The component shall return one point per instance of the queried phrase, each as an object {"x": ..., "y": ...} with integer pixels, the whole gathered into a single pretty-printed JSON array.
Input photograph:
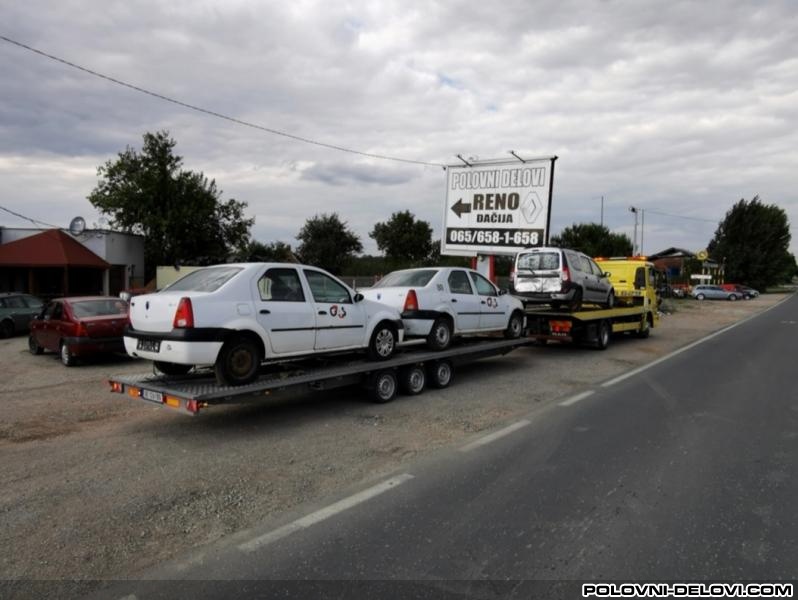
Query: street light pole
[
  {"x": 642, "y": 229},
  {"x": 634, "y": 242},
  {"x": 602, "y": 211}
]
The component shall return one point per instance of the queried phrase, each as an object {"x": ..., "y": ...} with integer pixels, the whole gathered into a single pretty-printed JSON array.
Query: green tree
[
  {"x": 752, "y": 244},
  {"x": 403, "y": 237},
  {"x": 179, "y": 212},
  {"x": 594, "y": 240},
  {"x": 255, "y": 251},
  {"x": 328, "y": 243}
]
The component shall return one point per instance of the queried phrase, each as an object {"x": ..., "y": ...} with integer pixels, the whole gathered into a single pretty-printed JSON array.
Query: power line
[
  {"x": 664, "y": 214},
  {"x": 217, "y": 114},
  {"x": 34, "y": 221}
]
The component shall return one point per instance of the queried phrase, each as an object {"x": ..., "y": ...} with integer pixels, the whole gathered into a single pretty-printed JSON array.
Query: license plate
[
  {"x": 149, "y": 345},
  {"x": 152, "y": 396}
]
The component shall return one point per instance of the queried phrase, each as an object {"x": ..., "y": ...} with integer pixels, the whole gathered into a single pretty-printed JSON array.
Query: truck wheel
[
  {"x": 238, "y": 362},
  {"x": 440, "y": 374},
  {"x": 412, "y": 380},
  {"x": 33, "y": 346},
  {"x": 383, "y": 342},
  {"x": 67, "y": 358},
  {"x": 515, "y": 327},
  {"x": 440, "y": 336},
  {"x": 645, "y": 328},
  {"x": 172, "y": 368},
  {"x": 383, "y": 386},
  {"x": 604, "y": 335}
]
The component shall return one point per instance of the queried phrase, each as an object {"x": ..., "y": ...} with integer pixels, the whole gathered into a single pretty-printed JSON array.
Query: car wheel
[
  {"x": 604, "y": 335},
  {"x": 412, "y": 380},
  {"x": 576, "y": 303},
  {"x": 611, "y": 299},
  {"x": 515, "y": 326},
  {"x": 383, "y": 342},
  {"x": 732, "y": 297},
  {"x": 172, "y": 368},
  {"x": 238, "y": 362},
  {"x": 6, "y": 329},
  {"x": 700, "y": 296},
  {"x": 383, "y": 386},
  {"x": 33, "y": 346},
  {"x": 67, "y": 358},
  {"x": 440, "y": 374},
  {"x": 440, "y": 336}
]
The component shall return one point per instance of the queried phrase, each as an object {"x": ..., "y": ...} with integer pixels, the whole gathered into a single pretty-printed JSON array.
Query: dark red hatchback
[{"x": 78, "y": 327}]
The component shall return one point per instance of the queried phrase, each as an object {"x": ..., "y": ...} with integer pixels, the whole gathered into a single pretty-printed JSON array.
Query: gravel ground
[{"x": 98, "y": 486}]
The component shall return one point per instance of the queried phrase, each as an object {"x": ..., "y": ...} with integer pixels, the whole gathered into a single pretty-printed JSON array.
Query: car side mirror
[
  {"x": 502, "y": 291},
  {"x": 359, "y": 297},
  {"x": 606, "y": 274}
]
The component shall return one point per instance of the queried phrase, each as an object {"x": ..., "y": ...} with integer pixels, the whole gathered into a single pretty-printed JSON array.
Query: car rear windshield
[
  {"x": 407, "y": 278},
  {"x": 539, "y": 261},
  {"x": 208, "y": 279},
  {"x": 98, "y": 308}
]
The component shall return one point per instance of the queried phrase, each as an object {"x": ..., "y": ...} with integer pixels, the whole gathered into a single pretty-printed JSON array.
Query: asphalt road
[{"x": 685, "y": 470}]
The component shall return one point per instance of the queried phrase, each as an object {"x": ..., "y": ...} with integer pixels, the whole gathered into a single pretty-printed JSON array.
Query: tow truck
[
  {"x": 411, "y": 370},
  {"x": 636, "y": 311}
]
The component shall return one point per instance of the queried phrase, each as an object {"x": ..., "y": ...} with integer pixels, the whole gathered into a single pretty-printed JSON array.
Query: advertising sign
[{"x": 497, "y": 207}]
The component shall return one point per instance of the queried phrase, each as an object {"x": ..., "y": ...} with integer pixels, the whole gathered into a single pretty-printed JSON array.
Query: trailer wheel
[
  {"x": 383, "y": 386},
  {"x": 412, "y": 380},
  {"x": 172, "y": 368},
  {"x": 603, "y": 335},
  {"x": 441, "y": 373}
]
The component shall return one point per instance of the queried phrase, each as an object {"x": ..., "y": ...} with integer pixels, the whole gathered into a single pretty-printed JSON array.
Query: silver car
[
  {"x": 714, "y": 292},
  {"x": 560, "y": 276}
]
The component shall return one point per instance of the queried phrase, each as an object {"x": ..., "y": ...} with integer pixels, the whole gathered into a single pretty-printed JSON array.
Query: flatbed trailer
[{"x": 411, "y": 371}]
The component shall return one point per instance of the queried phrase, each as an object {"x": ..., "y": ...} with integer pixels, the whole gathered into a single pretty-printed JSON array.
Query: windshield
[
  {"x": 415, "y": 278},
  {"x": 209, "y": 279},
  {"x": 99, "y": 308},
  {"x": 539, "y": 261}
]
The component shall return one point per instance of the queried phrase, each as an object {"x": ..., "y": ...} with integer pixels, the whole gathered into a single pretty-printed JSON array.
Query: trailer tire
[
  {"x": 383, "y": 341},
  {"x": 238, "y": 362},
  {"x": 603, "y": 335},
  {"x": 440, "y": 374},
  {"x": 515, "y": 326},
  {"x": 172, "y": 368},
  {"x": 412, "y": 379},
  {"x": 440, "y": 336},
  {"x": 383, "y": 386}
]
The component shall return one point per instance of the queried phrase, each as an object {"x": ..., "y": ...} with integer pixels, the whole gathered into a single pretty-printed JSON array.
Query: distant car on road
[
  {"x": 80, "y": 326},
  {"x": 439, "y": 303},
  {"x": 16, "y": 312},
  {"x": 713, "y": 292}
]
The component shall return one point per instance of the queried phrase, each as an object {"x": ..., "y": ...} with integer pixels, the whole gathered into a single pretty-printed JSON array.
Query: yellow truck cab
[{"x": 633, "y": 279}]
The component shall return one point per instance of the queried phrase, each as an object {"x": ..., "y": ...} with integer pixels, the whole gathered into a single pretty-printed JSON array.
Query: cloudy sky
[{"x": 675, "y": 107}]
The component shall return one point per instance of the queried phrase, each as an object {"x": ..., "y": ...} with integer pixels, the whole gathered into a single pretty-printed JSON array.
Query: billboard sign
[{"x": 496, "y": 207}]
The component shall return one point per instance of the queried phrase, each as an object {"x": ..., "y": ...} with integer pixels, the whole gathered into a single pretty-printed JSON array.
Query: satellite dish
[
  {"x": 702, "y": 255},
  {"x": 77, "y": 225}
]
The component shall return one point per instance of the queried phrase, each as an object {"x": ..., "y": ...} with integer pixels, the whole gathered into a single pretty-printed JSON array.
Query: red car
[{"x": 78, "y": 327}]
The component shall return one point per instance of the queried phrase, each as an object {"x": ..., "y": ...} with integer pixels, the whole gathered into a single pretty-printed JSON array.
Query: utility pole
[
  {"x": 602, "y": 211},
  {"x": 634, "y": 241},
  {"x": 642, "y": 229}
]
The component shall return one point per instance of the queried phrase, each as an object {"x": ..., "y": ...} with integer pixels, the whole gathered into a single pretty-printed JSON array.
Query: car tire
[
  {"x": 603, "y": 335},
  {"x": 33, "y": 347},
  {"x": 732, "y": 297},
  {"x": 238, "y": 362},
  {"x": 383, "y": 341},
  {"x": 412, "y": 380},
  {"x": 172, "y": 368},
  {"x": 67, "y": 358},
  {"x": 383, "y": 386},
  {"x": 700, "y": 296},
  {"x": 440, "y": 336},
  {"x": 440, "y": 374},
  {"x": 576, "y": 302},
  {"x": 6, "y": 329},
  {"x": 515, "y": 326},
  {"x": 610, "y": 299}
]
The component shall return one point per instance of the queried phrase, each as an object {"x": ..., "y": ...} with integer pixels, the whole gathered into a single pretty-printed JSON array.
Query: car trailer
[
  {"x": 411, "y": 371},
  {"x": 593, "y": 326}
]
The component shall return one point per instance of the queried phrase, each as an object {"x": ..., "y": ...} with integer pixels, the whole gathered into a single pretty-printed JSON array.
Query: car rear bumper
[
  {"x": 544, "y": 297},
  {"x": 83, "y": 346},
  {"x": 173, "y": 351}
]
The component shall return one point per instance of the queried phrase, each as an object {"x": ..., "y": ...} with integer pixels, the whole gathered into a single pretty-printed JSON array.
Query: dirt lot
[{"x": 98, "y": 486}]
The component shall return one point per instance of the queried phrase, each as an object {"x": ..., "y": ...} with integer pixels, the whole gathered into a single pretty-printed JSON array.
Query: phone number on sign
[{"x": 495, "y": 237}]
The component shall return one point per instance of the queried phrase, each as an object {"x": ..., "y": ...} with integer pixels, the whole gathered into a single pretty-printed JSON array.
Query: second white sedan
[{"x": 439, "y": 303}]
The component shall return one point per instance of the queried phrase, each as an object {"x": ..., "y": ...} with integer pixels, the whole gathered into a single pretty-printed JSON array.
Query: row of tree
[{"x": 185, "y": 220}]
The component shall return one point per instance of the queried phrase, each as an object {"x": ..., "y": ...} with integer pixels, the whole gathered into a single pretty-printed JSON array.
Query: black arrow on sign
[{"x": 460, "y": 207}]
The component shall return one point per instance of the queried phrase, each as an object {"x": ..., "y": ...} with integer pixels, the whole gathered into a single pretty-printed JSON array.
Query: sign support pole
[{"x": 551, "y": 191}]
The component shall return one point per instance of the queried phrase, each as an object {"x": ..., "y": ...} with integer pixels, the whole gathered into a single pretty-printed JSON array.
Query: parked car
[
  {"x": 713, "y": 292},
  {"x": 16, "y": 312},
  {"x": 236, "y": 316},
  {"x": 439, "y": 303},
  {"x": 79, "y": 327},
  {"x": 560, "y": 276},
  {"x": 744, "y": 291}
]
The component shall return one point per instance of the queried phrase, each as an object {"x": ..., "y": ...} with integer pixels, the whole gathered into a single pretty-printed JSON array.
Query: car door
[
  {"x": 284, "y": 312},
  {"x": 50, "y": 335},
  {"x": 340, "y": 323},
  {"x": 602, "y": 284},
  {"x": 492, "y": 313},
  {"x": 463, "y": 300}
]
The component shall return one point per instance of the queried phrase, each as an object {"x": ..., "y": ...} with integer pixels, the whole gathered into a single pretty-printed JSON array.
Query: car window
[
  {"x": 15, "y": 302},
  {"x": 595, "y": 268},
  {"x": 281, "y": 285},
  {"x": 99, "y": 308},
  {"x": 54, "y": 311},
  {"x": 415, "y": 278},
  {"x": 33, "y": 302},
  {"x": 326, "y": 290},
  {"x": 539, "y": 261},
  {"x": 484, "y": 287},
  {"x": 584, "y": 264},
  {"x": 208, "y": 279},
  {"x": 458, "y": 283}
]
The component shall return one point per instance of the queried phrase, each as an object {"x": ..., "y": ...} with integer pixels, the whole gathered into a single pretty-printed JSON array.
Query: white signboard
[{"x": 496, "y": 207}]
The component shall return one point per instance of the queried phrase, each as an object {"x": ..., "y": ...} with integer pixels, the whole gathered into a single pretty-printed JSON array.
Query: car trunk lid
[{"x": 155, "y": 312}]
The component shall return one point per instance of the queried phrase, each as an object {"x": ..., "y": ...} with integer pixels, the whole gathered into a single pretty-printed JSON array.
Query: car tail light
[
  {"x": 80, "y": 329},
  {"x": 184, "y": 315},
  {"x": 411, "y": 301}
]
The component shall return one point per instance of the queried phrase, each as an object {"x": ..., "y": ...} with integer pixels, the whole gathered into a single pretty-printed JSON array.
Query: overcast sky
[{"x": 675, "y": 107}]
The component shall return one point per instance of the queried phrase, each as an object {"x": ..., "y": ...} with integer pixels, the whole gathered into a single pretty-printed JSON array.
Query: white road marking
[
  {"x": 577, "y": 398},
  {"x": 323, "y": 513},
  {"x": 487, "y": 439}
]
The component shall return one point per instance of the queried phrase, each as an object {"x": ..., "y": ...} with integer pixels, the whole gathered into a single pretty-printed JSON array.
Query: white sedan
[
  {"x": 236, "y": 316},
  {"x": 439, "y": 303}
]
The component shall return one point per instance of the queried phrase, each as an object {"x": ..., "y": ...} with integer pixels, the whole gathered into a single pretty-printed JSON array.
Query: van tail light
[
  {"x": 184, "y": 315},
  {"x": 566, "y": 277},
  {"x": 411, "y": 301}
]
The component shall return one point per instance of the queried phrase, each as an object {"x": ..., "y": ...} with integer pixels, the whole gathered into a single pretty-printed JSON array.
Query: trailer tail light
[
  {"x": 560, "y": 327},
  {"x": 193, "y": 406},
  {"x": 171, "y": 401},
  {"x": 184, "y": 315},
  {"x": 411, "y": 301},
  {"x": 115, "y": 387}
]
